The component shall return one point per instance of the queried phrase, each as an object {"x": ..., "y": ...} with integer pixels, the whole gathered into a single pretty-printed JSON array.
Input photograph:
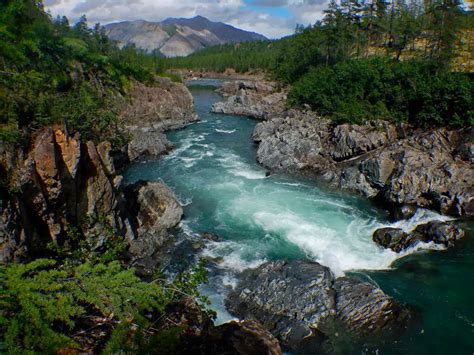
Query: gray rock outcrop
[
  {"x": 151, "y": 112},
  {"x": 258, "y": 100},
  {"x": 398, "y": 164},
  {"x": 297, "y": 301},
  {"x": 424, "y": 169},
  {"x": 155, "y": 210}
]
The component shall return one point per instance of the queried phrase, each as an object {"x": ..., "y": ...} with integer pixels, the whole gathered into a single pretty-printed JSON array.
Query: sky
[{"x": 272, "y": 18}]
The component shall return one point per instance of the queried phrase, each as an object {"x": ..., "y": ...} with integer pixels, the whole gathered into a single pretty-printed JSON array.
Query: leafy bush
[
  {"x": 413, "y": 91},
  {"x": 46, "y": 306}
]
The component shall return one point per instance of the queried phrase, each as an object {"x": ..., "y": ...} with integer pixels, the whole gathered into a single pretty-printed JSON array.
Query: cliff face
[
  {"x": 58, "y": 183},
  {"x": 151, "y": 112}
]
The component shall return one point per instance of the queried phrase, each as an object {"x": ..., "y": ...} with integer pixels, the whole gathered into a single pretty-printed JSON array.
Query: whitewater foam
[
  {"x": 185, "y": 201},
  {"x": 235, "y": 256},
  {"x": 225, "y": 131},
  {"x": 237, "y": 167},
  {"x": 340, "y": 252},
  {"x": 294, "y": 184}
]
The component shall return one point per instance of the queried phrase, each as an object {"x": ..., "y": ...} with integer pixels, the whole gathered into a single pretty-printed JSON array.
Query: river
[{"x": 214, "y": 173}]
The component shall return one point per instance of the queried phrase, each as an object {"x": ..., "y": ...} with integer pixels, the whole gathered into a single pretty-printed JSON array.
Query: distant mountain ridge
[{"x": 177, "y": 37}]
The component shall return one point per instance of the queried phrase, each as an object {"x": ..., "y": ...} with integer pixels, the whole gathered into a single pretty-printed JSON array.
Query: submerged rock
[
  {"x": 441, "y": 233},
  {"x": 297, "y": 301},
  {"x": 392, "y": 238}
]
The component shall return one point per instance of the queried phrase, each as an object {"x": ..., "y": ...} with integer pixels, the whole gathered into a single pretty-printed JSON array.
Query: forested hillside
[
  {"x": 51, "y": 72},
  {"x": 242, "y": 57},
  {"x": 368, "y": 60}
]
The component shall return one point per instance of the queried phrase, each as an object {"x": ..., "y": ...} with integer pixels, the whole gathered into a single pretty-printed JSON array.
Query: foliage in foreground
[
  {"x": 46, "y": 306},
  {"x": 377, "y": 88}
]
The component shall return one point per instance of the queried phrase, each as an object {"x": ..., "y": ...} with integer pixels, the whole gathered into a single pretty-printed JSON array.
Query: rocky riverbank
[
  {"x": 58, "y": 182},
  {"x": 151, "y": 112},
  {"x": 59, "y": 185},
  {"x": 399, "y": 165}
]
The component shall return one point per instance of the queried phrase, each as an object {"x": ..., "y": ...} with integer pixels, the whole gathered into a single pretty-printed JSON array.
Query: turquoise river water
[{"x": 214, "y": 173}]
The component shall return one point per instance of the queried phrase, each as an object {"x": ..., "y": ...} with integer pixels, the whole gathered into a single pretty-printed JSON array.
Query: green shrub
[
  {"x": 365, "y": 89},
  {"x": 46, "y": 306}
]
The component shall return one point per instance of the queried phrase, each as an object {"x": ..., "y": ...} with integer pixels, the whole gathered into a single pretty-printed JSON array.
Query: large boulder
[
  {"x": 366, "y": 309},
  {"x": 300, "y": 301},
  {"x": 392, "y": 238},
  {"x": 290, "y": 299},
  {"x": 156, "y": 210},
  {"x": 440, "y": 233},
  {"x": 147, "y": 143},
  {"x": 258, "y": 100}
]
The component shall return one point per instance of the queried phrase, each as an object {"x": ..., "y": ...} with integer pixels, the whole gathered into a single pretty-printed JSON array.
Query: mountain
[{"x": 177, "y": 37}]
